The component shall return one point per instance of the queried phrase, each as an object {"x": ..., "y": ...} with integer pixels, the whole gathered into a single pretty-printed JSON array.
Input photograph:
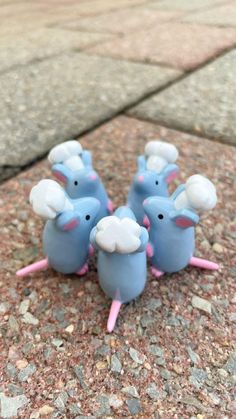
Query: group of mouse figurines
[{"x": 79, "y": 219}]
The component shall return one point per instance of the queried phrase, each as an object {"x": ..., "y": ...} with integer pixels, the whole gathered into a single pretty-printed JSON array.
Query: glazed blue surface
[
  {"x": 122, "y": 276},
  {"x": 84, "y": 183},
  {"x": 67, "y": 251},
  {"x": 171, "y": 233},
  {"x": 148, "y": 183}
]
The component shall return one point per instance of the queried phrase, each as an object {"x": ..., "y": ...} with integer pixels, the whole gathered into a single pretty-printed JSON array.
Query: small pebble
[
  {"x": 230, "y": 365},
  {"x": 13, "y": 324},
  {"x": 222, "y": 373},
  {"x": 115, "y": 402},
  {"x": 201, "y": 304},
  {"x": 25, "y": 373},
  {"x": 217, "y": 248},
  {"x": 154, "y": 303},
  {"x": 30, "y": 319},
  {"x": 27, "y": 348},
  {"x": 15, "y": 390},
  {"x": 22, "y": 363},
  {"x": 11, "y": 405},
  {"x": 26, "y": 292},
  {"x": 57, "y": 342},
  {"x": 79, "y": 372},
  {"x": 134, "y": 406},
  {"x": 160, "y": 361},
  {"x": 198, "y": 377},
  {"x": 193, "y": 356},
  {"x": 61, "y": 400},
  {"x": 131, "y": 391},
  {"x": 152, "y": 391},
  {"x": 4, "y": 308},
  {"x": 24, "y": 305},
  {"x": 100, "y": 365},
  {"x": 11, "y": 370},
  {"x": 164, "y": 373},
  {"x": 70, "y": 328},
  {"x": 156, "y": 350},
  {"x": 137, "y": 356},
  {"x": 115, "y": 364},
  {"x": 46, "y": 410},
  {"x": 232, "y": 317}
]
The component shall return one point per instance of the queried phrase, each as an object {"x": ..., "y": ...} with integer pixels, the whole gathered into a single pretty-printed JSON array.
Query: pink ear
[
  {"x": 171, "y": 177},
  {"x": 146, "y": 221},
  {"x": 93, "y": 176},
  {"x": 184, "y": 222},
  {"x": 60, "y": 176},
  {"x": 72, "y": 224}
]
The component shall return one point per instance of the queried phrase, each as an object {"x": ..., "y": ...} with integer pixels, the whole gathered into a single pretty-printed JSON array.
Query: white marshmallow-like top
[
  {"x": 159, "y": 154},
  {"x": 118, "y": 235},
  {"x": 199, "y": 194},
  {"x": 162, "y": 149},
  {"x": 48, "y": 199},
  {"x": 74, "y": 163},
  {"x": 68, "y": 153},
  {"x": 156, "y": 163}
]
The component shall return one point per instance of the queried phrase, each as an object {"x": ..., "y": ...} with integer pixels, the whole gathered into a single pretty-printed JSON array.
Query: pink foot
[
  {"x": 156, "y": 273},
  {"x": 110, "y": 206},
  {"x": 203, "y": 263},
  {"x": 91, "y": 250},
  {"x": 114, "y": 311},
  {"x": 37, "y": 266},
  {"x": 146, "y": 222},
  {"x": 149, "y": 250},
  {"x": 83, "y": 270}
]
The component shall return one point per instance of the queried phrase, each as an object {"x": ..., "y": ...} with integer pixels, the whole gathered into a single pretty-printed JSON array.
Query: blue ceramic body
[
  {"x": 148, "y": 183},
  {"x": 122, "y": 276},
  {"x": 67, "y": 250},
  {"x": 171, "y": 233},
  {"x": 84, "y": 183}
]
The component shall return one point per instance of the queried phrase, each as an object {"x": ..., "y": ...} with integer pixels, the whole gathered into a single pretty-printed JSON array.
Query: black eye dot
[
  {"x": 160, "y": 216},
  {"x": 87, "y": 217},
  {"x": 75, "y": 183},
  {"x": 157, "y": 182}
]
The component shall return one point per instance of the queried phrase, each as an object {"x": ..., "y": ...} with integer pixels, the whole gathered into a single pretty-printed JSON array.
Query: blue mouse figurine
[
  {"x": 156, "y": 169},
  {"x": 73, "y": 167},
  {"x": 172, "y": 221},
  {"x": 66, "y": 233},
  {"x": 122, "y": 271}
]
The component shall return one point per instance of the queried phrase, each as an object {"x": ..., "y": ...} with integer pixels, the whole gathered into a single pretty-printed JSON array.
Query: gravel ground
[{"x": 171, "y": 354}]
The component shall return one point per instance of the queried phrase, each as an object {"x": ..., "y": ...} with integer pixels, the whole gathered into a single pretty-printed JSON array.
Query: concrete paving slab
[
  {"x": 94, "y": 7},
  {"x": 183, "y": 46},
  {"x": 203, "y": 102},
  {"x": 132, "y": 20},
  {"x": 185, "y": 5},
  {"x": 21, "y": 8},
  {"x": 43, "y": 43},
  {"x": 224, "y": 15},
  {"x": 22, "y": 17},
  {"x": 197, "y": 348},
  {"x": 48, "y": 102}
]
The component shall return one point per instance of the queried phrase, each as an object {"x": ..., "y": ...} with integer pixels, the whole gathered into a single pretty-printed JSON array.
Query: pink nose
[{"x": 140, "y": 178}]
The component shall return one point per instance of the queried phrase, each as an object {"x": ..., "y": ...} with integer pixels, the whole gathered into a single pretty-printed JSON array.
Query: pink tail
[
  {"x": 203, "y": 263},
  {"x": 114, "y": 311},
  {"x": 37, "y": 266}
]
